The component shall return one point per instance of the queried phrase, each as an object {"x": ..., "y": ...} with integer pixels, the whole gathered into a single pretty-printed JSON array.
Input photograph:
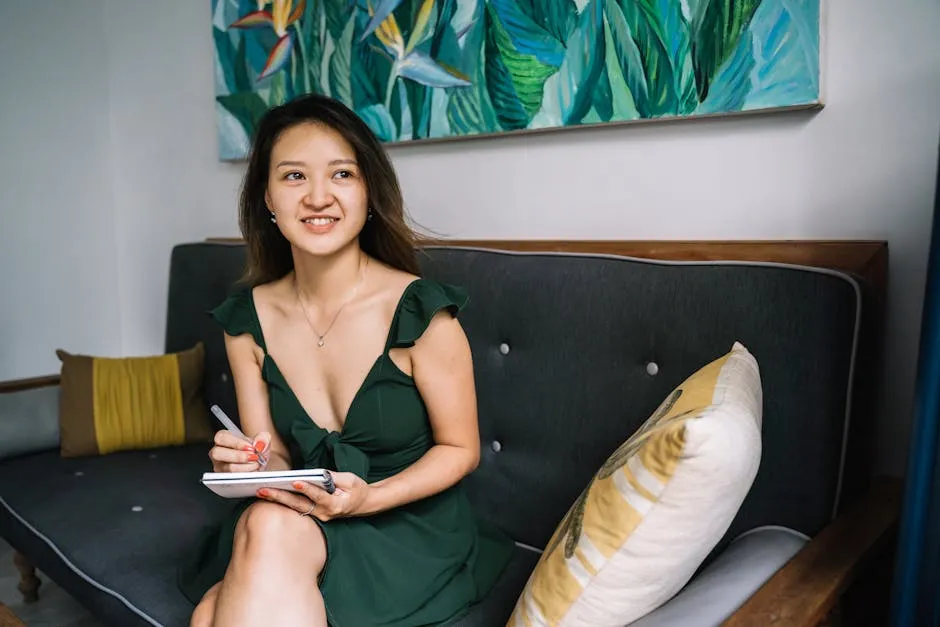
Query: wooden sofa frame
[{"x": 842, "y": 577}]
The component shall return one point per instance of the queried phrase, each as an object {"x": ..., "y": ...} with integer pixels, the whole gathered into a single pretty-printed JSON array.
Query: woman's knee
[{"x": 269, "y": 527}]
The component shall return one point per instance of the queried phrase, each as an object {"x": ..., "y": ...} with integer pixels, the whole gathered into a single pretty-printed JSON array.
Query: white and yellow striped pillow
[{"x": 656, "y": 508}]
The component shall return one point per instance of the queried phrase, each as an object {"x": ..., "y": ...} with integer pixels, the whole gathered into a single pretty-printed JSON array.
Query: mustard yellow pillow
[
  {"x": 657, "y": 506},
  {"x": 110, "y": 404}
]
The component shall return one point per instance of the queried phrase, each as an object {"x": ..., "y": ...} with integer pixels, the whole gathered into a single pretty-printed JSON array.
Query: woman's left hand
[{"x": 347, "y": 500}]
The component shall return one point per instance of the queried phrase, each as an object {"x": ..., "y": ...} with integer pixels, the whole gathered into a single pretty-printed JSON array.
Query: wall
[
  {"x": 861, "y": 168},
  {"x": 58, "y": 238}
]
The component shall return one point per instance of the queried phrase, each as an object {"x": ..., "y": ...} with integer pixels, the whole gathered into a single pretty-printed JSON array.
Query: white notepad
[{"x": 237, "y": 485}]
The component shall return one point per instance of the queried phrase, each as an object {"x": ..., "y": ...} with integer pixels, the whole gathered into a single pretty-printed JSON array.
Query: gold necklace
[{"x": 321, "y": 337}]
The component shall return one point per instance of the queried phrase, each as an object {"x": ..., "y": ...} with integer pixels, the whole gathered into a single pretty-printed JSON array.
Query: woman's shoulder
[
  {"x": 419, "y": 300},
  {"x": 238, "y": 314}
]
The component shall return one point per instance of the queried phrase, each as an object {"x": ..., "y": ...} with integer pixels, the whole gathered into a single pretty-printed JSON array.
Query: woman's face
[{"x": 316, "y": 189}]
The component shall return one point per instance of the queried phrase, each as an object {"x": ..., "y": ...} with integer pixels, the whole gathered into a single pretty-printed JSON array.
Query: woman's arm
[
  {"x": 253, "y": 409},
  {"x": 442, "y": 369}
]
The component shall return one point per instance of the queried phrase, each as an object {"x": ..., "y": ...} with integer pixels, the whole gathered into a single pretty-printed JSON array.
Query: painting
[{"x": 419, "y": 70}]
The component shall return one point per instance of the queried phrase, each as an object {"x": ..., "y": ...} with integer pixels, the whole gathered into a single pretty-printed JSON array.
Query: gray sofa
[{"x": 564, "y": 346}]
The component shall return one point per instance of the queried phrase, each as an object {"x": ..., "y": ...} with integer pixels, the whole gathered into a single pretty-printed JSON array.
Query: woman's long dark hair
[{"x": 386, "y": 236}]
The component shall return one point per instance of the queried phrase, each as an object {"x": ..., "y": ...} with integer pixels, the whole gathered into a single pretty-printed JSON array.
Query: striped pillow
[{"x": 656, "y": 508}]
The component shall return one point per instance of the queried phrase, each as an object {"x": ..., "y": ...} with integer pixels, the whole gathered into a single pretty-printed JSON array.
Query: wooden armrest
[
  {"x": 19, "y": 385},
  {"x": 811, "y": 583}
]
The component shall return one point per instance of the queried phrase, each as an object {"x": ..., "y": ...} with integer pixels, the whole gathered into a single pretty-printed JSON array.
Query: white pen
[{"x": 228, "y": 424}]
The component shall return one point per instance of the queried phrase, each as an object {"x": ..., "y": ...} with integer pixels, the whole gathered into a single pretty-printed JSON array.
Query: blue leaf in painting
[
  {"x": 422, "y": 69},
  {"x": 383, "y": 9},
  {"x": 786, "y": 49},
  {"x": 380, "y": 121},
  {"x": 527, "y": 36},
  {"x": 678, "y": 40},
  {"x": 577, "y": 78},
  {"x": 775, "y": 63},
  {"x": 728, "y": 91}
]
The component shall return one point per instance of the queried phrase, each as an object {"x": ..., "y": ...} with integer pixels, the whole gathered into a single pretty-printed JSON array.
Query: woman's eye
[
  {"x": 293, "y": 176},
  {"x": 344, "y": 174}
]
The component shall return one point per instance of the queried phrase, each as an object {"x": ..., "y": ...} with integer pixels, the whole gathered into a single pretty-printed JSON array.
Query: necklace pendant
[{"x": 320, "y": 342}]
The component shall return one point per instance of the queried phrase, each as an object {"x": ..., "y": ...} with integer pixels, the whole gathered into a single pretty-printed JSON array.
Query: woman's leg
[
  {"x": 205, "y": 611},
  {"x": 272, "y": 577}
]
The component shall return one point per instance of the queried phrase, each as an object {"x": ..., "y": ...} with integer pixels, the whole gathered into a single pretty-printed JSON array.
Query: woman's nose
[{"x": 318, "y": 195}]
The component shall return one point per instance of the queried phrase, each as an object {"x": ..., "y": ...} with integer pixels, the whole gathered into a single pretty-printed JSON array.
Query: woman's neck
[{"x": 325, "y": 282}]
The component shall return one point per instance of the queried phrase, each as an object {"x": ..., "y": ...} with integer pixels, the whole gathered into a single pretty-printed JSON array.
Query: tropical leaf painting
[{"x": 432, "y": 69}]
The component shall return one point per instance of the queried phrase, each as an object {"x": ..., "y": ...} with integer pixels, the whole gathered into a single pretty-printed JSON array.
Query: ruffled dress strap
[
  {"x": 422, "y": 299},
  {"x": 237, "y": 315}
]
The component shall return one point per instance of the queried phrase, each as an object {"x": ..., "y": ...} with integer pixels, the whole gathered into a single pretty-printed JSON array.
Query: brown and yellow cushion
[{"x": 110, "y": 404}]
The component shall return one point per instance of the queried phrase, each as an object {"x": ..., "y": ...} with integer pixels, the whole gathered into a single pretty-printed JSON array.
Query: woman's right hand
[{"x": 233, "y": 454}]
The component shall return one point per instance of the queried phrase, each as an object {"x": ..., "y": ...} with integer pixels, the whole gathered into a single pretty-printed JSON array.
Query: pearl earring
[
  {"x": 369, "y": 214},
  {"x": 273, "y": 217}
]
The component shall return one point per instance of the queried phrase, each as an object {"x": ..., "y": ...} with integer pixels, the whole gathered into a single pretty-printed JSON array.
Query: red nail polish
[
  {"x": 298, "y": 485},
  {"x": 262, "y": 492},
  {"x": 252, "y": 458},
  {"x": 261, "y": 447}
]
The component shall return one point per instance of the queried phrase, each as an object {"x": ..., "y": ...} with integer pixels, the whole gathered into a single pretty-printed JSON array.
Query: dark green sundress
[{"x": 424, "y": 563}]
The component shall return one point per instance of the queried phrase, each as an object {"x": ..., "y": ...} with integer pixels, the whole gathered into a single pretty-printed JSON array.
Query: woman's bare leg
[
  {"x": 272, "y": 577},
  {"x": 205, "y": 612}
]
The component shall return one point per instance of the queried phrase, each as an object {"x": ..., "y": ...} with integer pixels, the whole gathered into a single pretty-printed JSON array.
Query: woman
[{"x": 342, "y": 358}]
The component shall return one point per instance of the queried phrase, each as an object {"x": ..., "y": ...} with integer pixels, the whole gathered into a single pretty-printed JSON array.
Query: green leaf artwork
[{"x": 444, "y": 69}]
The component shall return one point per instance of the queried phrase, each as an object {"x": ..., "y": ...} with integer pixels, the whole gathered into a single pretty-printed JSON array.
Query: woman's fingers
[
  {"x": 227, "y": 439},
  {"x": 297, "y": 502},
  {"x": 231, "y": 456}
]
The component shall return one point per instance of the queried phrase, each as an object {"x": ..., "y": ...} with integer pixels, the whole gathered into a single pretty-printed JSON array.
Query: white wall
[
  {"x": 864, "y": 167},
  {"x": 58, "y": 241}
]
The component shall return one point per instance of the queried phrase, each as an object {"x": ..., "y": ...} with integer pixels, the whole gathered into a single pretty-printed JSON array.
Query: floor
[{"x": 54, "y": 609}]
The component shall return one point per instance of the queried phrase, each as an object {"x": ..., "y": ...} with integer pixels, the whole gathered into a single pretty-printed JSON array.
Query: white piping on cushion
[
  {"x": 787, "y": 530},
  {"x": 76, "y": 570}
]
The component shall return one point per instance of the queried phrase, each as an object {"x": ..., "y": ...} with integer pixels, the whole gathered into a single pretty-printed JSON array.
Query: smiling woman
[{"x": 340, "y": 351}]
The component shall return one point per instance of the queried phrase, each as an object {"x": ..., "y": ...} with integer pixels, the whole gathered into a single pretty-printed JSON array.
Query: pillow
[
  {"x": 656, "y": 508},
  {"x": 29, "y": 421},
  {"x": 109, "y": 404}
]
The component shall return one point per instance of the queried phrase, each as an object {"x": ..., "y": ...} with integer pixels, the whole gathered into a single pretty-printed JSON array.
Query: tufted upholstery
[{"x": 573, "y": 352}]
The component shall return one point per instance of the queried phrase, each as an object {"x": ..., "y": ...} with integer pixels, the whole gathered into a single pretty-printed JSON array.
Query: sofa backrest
[{"x": 572, "y": 352}]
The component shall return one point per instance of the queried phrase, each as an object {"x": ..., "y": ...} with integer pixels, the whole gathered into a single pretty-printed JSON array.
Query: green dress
[{"x": 424, "y": 563}]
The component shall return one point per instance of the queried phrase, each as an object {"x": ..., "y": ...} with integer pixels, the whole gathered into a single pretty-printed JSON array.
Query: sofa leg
[{"x": 29, "y": 582}]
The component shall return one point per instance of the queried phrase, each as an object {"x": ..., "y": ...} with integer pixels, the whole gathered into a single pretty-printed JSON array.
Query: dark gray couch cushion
[
  {"x": 76, "y": 518},
  {"x": 581, "y": 333}
]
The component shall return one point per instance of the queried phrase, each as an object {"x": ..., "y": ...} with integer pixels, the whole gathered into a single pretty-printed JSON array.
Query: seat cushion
[{"x": 111, "y": 530}]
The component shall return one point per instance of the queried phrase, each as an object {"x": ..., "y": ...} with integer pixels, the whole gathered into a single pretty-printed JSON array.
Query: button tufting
[
  {"x": 137, "y": 508},
  {"x": 496, "y": 446},
  {"x": 504, "y": 348},
  {"x": 79, "y": 473},
  {"x": 152, "y": 456},
  {"x": 224, "y": 377},
  {"x": 652, "y": 368}
]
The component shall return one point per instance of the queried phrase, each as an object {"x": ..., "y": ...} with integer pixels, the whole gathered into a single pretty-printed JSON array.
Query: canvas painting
[{"x": 436, "y": 69}]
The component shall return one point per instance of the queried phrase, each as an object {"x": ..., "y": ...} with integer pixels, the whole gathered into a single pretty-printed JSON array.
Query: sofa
[{"x": 574, "y": 345}]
